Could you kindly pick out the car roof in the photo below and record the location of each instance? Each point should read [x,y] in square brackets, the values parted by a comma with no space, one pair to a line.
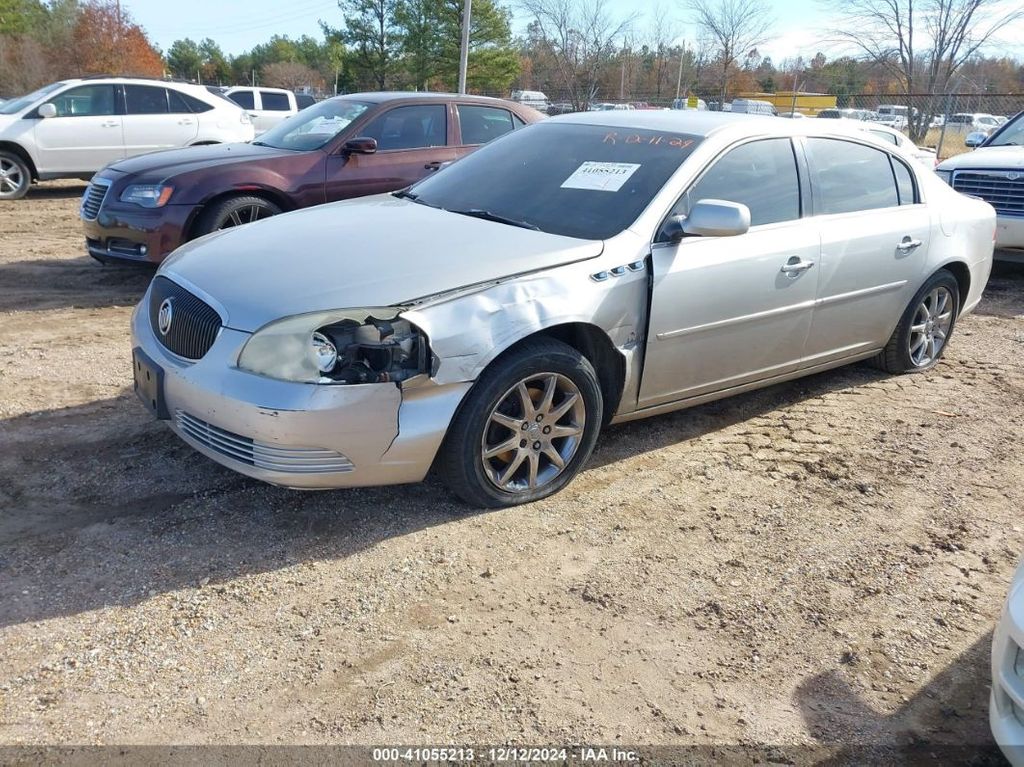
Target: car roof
[378,97]
[694,122]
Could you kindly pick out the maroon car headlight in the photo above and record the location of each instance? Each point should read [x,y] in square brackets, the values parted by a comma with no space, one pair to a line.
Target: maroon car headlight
[147,195]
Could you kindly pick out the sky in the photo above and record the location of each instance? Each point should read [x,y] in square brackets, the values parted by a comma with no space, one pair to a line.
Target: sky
[238,25]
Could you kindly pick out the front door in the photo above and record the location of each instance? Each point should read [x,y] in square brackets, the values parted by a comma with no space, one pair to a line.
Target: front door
[726,311]
[86,134]
[412,142]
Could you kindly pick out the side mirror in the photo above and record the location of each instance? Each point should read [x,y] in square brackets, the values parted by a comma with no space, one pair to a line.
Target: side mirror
[710,218]
[361,145]
[47,110]
[975,139]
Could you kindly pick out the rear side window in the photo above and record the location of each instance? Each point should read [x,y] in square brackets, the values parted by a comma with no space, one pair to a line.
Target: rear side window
[761,175]
[145,100]
[275,102]
[244,99]
[412,127]
[177,104]
[483,124]
[196,105]
[848,177]
[904,182]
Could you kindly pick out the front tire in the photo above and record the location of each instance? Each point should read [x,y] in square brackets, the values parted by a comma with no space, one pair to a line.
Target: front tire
[527,427]
[15,176]
[925,328]
[235,211]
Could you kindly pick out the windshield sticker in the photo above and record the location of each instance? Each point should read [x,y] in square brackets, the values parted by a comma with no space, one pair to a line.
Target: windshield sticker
[601,176]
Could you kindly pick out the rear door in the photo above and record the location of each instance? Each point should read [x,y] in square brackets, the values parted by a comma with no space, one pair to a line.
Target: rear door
[87,133]
[273,107]
[726,311]
[874,244]
[149,122]
[412,141]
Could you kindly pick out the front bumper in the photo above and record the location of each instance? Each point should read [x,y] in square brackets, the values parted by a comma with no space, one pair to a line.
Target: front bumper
[1009,233]
[1006,707]
[303,436]
[131,233]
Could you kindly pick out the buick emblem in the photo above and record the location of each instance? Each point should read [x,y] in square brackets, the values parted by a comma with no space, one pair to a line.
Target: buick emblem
[163,319]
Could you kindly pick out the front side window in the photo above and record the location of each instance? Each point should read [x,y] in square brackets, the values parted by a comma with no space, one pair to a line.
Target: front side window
[314,127]
[577,180]
[848,177]
[145,100]
[482,124]
[411,127]
[244,99]
[85,101]
[761,175]
[275,102]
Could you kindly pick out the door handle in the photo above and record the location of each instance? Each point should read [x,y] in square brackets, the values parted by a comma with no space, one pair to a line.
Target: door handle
[185,122]
[908,244]
[435,165]
[795,266]
[110,124]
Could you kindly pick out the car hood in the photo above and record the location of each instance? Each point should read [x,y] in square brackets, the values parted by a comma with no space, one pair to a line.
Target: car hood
[987,157]
[174,161]
[373,251]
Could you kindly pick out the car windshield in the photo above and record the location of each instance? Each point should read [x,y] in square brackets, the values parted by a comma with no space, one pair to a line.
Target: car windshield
[313,127]
[16,105]
[1011,134]
[585,181]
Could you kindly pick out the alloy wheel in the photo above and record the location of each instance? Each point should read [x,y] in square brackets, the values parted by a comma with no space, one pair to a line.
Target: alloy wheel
[533,432]
[12,177]
[929,330]
[245,215]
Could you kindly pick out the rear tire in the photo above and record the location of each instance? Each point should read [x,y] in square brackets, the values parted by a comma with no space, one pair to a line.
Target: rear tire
[235,211]
[15,176]
[925,328]
[527,427]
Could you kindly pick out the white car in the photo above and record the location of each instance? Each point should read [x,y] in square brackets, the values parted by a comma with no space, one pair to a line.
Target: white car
[73,128]
[968,122]
[995,172]
[1006,704]
[266,106]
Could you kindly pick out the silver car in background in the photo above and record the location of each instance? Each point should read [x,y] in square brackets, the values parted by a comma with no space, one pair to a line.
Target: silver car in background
[591,269]
[1006,706]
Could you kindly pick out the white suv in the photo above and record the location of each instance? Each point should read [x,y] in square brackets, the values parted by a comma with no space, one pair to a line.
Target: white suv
[72,128]
[266,106]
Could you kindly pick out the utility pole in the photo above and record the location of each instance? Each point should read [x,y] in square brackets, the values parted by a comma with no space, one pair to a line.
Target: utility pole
[679,80]
[464,52]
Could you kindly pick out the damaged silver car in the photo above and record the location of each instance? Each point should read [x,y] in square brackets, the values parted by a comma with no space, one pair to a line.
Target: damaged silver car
[591,269]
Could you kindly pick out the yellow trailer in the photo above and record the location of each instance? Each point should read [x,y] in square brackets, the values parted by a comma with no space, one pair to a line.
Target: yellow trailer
[788,101]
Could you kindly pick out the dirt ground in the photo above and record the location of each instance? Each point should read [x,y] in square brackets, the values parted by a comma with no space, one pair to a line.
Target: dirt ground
[820,562]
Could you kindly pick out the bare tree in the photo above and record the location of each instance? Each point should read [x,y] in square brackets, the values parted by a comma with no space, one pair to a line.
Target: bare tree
[290,75]
[734,27]
[581,36]
[922,44]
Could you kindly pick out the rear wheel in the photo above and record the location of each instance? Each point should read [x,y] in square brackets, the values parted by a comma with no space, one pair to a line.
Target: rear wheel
[527,428]
[925,328]
[235,211]
[15,176]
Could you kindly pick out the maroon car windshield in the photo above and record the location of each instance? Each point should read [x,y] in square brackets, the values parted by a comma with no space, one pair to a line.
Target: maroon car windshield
[313,127]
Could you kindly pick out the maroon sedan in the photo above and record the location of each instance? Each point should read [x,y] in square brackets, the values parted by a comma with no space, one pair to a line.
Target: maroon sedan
[143,208]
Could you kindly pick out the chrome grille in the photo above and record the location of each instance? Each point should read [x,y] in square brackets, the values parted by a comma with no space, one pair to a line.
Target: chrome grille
[996,187]
[93,198]
[293,460]
[194,323]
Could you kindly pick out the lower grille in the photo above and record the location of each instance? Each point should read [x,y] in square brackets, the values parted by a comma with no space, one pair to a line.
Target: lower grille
[93,198]
[996,187]
[293,460]
[190,325]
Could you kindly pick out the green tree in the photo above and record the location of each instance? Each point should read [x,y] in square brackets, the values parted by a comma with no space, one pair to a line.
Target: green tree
[184,59]
[215,66]
[371,29]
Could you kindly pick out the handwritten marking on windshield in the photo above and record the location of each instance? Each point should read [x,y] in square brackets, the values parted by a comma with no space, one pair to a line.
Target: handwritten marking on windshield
[652,140]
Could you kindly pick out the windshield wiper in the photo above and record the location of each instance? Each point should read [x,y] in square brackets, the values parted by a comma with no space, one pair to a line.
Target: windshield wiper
[405,194]
[258,143]
[488,216]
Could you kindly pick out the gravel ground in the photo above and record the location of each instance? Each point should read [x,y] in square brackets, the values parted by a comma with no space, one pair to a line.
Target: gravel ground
[821,562]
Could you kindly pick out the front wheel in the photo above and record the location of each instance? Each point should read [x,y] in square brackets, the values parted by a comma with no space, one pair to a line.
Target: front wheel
[235,211]
[15,177]
[527,428]
[925,328]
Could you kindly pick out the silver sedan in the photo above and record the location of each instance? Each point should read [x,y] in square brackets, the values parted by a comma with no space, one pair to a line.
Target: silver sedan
[591,269]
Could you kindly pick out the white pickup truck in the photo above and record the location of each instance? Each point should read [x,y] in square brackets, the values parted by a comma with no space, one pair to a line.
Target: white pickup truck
[266,106]
[995,173]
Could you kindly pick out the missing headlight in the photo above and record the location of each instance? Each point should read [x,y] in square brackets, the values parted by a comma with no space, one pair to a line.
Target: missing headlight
[376,351]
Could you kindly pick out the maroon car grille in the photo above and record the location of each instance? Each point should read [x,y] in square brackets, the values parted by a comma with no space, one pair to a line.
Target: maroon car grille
[191,325]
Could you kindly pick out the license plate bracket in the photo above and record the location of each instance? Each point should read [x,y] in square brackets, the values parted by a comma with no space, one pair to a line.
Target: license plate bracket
[149,384]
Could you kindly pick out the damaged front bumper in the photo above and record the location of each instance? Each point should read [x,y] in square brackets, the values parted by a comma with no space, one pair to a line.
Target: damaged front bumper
[299,435]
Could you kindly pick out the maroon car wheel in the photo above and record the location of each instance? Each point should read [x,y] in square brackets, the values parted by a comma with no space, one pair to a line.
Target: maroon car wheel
[235,211]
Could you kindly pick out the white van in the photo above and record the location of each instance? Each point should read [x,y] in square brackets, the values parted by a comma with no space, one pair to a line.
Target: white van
[266,106]
[535,99]
[754,107]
